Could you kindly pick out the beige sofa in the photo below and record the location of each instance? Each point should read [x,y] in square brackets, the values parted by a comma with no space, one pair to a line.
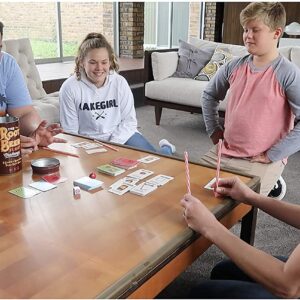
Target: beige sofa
[164,91]
[47,105]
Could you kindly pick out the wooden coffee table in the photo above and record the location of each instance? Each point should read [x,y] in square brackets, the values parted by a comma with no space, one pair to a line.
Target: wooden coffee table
[104,245]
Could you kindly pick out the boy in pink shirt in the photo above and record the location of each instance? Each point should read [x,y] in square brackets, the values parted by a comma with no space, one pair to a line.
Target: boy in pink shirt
[263,90]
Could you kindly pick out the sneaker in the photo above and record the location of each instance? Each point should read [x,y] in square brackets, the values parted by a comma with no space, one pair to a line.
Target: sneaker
[279,190]
[165,142]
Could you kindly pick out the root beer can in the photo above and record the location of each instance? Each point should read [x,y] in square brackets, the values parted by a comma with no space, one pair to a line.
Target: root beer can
[10,145]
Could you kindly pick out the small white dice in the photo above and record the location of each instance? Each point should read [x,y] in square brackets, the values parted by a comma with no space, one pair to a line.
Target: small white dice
[76,190]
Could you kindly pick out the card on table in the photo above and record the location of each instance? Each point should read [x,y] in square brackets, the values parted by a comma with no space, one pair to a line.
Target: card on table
[89,146]
[87,183]
[97,150]
[54,178]
[24,192]
[141,174]
[124,163]
[208,186]
[79,145]
[160,180]
[126,180]
[120,188]
[148,159]
[43,186]
[110,170]
[143,189]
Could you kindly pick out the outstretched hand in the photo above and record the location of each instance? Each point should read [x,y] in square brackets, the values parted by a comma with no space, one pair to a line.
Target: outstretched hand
[45,135]
[236,189]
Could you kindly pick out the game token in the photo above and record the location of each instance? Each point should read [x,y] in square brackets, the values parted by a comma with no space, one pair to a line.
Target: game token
[92,175]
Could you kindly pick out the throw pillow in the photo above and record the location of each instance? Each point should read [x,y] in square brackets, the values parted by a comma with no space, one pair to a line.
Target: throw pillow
[219,58]
[164,64]
[191,60]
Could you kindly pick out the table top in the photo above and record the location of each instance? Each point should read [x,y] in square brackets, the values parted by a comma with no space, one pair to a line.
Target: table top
[56,246]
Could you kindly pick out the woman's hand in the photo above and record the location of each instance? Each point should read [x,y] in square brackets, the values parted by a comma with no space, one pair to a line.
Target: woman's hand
[28,145]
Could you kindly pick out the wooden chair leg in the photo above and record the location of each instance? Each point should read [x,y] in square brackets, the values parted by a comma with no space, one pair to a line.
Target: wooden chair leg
[158,111]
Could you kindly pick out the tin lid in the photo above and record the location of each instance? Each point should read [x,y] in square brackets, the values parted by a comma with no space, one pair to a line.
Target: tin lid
[45,165]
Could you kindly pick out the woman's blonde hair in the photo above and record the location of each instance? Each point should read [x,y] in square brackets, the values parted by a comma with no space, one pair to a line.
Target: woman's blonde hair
[271,13]
[94,41]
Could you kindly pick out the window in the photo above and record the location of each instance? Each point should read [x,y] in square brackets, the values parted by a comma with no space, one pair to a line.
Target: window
[55,29]
[179,20]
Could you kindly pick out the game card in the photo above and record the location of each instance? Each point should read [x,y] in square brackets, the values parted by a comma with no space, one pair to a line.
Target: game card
[126,180]
[54,178]
[24,192]
[97,150]
[89,146]
[143,189]
[148,159]
[141,174]
[209,185]
[120,188]
[160,180]
[78,145]
[43,186]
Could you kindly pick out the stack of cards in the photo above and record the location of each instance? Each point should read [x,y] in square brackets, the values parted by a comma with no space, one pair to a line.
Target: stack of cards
[124,163]
[110,170]
[123,185]
[87,183]
[148,159]
[143,189]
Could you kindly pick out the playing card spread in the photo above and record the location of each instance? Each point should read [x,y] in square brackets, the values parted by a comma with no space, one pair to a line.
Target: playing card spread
[208,186]
[42,185]
[97,150]
[140,174]
[160,180]
[24,192]
[143,189]
[148,159]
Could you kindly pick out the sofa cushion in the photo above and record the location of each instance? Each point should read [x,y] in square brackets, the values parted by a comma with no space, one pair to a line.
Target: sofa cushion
[164,64]
[220,57]
[178,90]
[191,59]
[235,50]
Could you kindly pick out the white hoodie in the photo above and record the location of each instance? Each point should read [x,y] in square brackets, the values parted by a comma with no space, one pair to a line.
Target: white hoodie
[105,113]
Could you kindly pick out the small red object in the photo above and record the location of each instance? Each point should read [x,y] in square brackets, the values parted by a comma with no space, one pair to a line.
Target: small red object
[92,175]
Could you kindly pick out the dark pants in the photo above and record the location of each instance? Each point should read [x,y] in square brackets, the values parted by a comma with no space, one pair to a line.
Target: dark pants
[229,282]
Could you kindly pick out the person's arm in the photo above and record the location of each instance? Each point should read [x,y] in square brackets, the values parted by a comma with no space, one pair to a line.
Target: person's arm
[284,211]
[128,125]
[214,92]
[281,279]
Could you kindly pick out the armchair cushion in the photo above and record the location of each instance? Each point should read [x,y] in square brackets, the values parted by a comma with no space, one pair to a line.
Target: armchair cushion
[164,64]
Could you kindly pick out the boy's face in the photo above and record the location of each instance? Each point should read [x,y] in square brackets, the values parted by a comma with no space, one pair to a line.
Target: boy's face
[259,39]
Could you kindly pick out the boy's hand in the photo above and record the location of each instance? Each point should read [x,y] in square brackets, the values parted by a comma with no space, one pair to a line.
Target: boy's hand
[216,136]
[261,158]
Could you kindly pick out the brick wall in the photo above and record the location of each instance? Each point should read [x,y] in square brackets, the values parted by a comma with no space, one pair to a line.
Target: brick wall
[210,19]
[194,20]
[131,29]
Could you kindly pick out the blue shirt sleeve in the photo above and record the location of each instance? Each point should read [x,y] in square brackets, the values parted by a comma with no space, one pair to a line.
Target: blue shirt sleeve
[15,88]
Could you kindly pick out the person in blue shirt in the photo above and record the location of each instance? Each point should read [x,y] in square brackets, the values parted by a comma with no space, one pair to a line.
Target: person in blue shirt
[15,100]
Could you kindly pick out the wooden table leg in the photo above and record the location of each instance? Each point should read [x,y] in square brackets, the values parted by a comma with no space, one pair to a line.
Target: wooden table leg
[248,226]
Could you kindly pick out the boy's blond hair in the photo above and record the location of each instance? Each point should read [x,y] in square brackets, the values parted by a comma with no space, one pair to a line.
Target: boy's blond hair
[271,13]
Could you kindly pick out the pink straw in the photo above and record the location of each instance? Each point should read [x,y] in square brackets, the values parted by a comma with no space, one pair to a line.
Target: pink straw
[219,162]
[187,172]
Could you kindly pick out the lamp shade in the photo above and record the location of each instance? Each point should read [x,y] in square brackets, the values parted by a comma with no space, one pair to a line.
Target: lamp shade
[293,29]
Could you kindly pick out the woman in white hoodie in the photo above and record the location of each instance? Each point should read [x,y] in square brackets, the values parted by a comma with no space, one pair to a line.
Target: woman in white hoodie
[97,102]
